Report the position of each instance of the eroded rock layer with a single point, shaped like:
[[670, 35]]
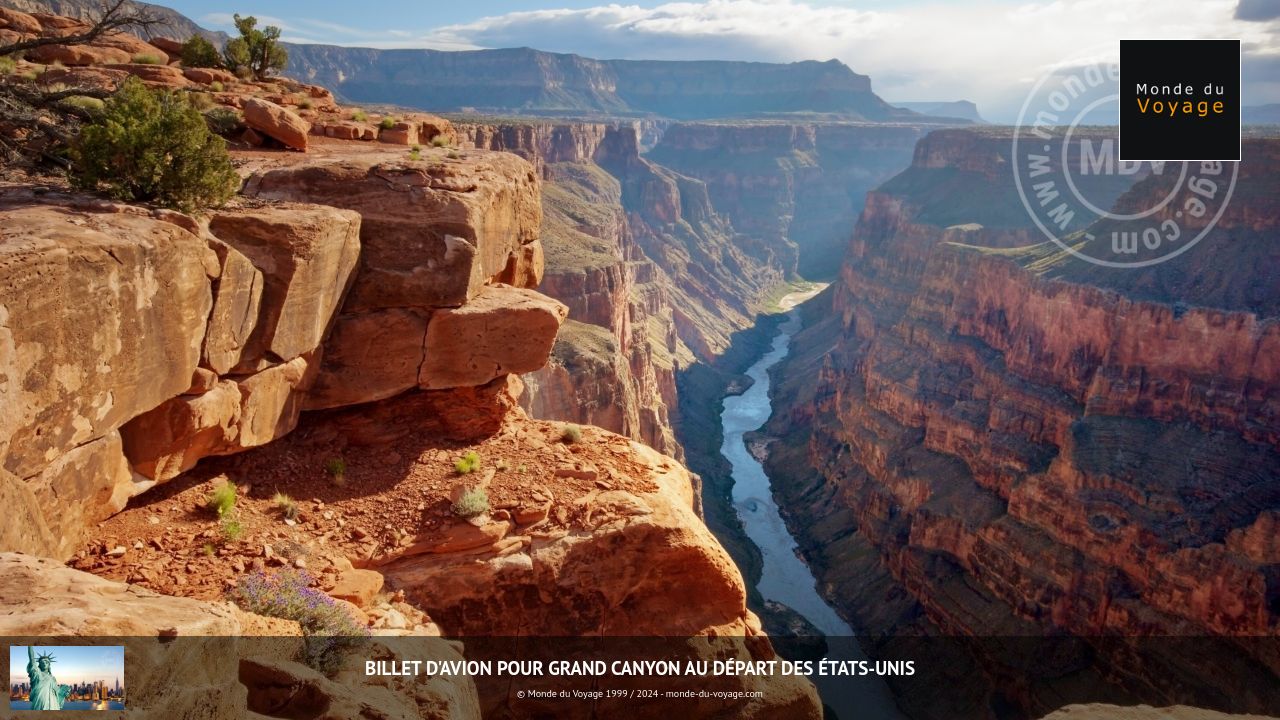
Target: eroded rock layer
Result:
[[982, 437]]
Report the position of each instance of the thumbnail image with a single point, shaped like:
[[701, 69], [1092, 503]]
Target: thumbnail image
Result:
[[74, 677]]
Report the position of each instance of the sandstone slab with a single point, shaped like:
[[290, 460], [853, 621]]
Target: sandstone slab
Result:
[[277, 122], [430, 236], [233, 416], [369, 356], [503, 330], [306, 255], [102, 318], [236, 304]]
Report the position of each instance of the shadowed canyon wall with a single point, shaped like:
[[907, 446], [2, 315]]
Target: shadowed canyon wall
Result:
[[981, 437]]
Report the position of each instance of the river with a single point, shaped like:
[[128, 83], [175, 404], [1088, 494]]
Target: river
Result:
[[785, 577]]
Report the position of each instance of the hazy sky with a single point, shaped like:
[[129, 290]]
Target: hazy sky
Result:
[[72, 664], [988, 51]]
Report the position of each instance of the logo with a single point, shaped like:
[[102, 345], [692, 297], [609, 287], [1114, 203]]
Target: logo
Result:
[[1085, 199]]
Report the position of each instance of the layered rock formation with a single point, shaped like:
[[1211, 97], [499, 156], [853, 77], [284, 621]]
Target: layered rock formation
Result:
[[178, 340], [791, 190], [983, 437], [649, 270]]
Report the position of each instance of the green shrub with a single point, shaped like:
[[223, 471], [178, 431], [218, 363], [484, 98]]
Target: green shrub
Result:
[[387, 123], [329, 630], [209, 550], [199, 52], [88, 105], [286, 505], [223, 120], [153, 146], [217, 86], [202, 101], [148, 59], [454, 154], [415, 153], [440, 141], [570, 434], [7, 64], [359, 116], [306, 104], [472, 503], [231, 529], [337, 469], [468, 463], [222, 501], [258, 52]]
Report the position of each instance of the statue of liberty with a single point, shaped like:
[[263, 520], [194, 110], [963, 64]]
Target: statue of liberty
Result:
[[46, 693]]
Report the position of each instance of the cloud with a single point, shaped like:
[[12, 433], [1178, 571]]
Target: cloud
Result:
[[1258, 10]]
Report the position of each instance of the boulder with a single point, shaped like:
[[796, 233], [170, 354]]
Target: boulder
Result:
[[19, 22], [78, 55], [84, 77], [169, 45], [306, 255], [165, 76], [276, 122], [232, 417], [208, 76], [503, 330], [430, 237], [357, 587], [369, 356], [402, 133], [102, 317]]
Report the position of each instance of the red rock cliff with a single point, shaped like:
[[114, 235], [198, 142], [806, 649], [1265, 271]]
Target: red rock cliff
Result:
[[1025, 447]]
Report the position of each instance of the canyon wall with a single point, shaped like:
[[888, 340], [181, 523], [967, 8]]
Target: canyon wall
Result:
[[793, 190], [652, 275], [980, 436]]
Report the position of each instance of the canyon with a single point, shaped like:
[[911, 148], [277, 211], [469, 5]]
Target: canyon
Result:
[[983, 440], [1050, 480]]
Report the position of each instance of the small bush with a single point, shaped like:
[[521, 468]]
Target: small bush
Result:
[[440, 141], [208, 550], [415, 154], [222, 501], [217, 86], [202, 101], [7, 64], [570, 434], [472, 503], [359, 116], [387, 123], [231, 529], [148, 59], [153, 146], [454, 154], [200, 53], [329, 629], [468, 463], [87, 105], [286, 505], [337, 469], [223, 120], [306, 104]]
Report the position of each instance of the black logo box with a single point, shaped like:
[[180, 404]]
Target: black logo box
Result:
[[1187, 64]]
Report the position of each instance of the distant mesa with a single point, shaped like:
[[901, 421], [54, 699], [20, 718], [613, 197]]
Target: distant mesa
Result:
[[959, 109], [1261, 114]]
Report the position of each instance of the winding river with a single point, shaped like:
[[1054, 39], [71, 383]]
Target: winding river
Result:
[[785, 577]]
